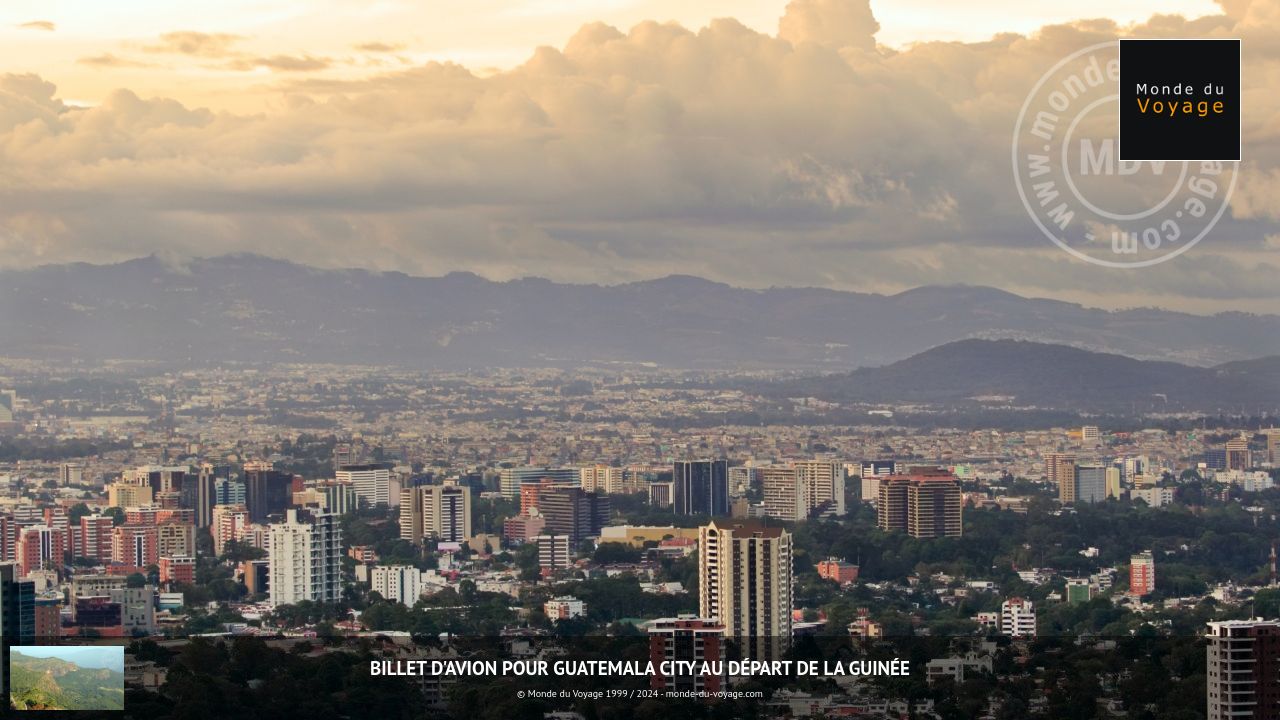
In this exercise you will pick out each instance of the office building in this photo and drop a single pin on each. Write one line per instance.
(925, 504)
(1242, 670)
(398, 583)
(510, 480)
(1090, 435)
(1237, 454)
(685, 639)
(1142, 574)
(206, 495)
(268, 492)
(801, 490)
(701, 487)
(573, 512)
(371, 482)
(70, 474)
(17, 612)
(745, 584)
(1091, 483)
(305, 559)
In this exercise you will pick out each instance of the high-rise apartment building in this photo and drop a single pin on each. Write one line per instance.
(305, 559)
(95, 537)
(601, 478)
(685, 639)
(1018, 618)
(135, 546)
(925, 504)
(554, 553)
(801, 490)
(1142, 574)
(17, 612)
(701, 487)
(398, 583)
(1060, 472)
(745, 577)
(40, 546)
(1242, 672)
(442, 512)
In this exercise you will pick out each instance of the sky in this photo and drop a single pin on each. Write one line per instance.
(109, 657)
(833, 143)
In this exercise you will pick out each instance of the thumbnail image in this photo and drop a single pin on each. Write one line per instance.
(66, 678)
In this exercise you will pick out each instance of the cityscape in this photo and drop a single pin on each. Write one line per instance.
(305, 506)
(634, 359)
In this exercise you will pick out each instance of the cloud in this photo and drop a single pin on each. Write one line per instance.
(283, 63)
(188, 42)
(43, 25)
(108, 60)
(832, 23)
(379, 47)
(809, 157)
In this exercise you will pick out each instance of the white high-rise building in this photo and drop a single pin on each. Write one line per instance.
(305, 559)
(1018, 618)
(601, 478)
(802, 490)
(745, 578)
(400, 583)
(372, 482)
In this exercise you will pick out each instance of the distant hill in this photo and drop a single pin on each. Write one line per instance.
(250, 308)
(56, 684)
(977, 372)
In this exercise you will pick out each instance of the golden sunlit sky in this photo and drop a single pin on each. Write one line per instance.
(836, 143)
(95, 46)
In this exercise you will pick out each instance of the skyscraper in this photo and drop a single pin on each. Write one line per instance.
(802, 490)
(1060, 472)
(510, 480)
(925, 504)
(1238, 454)
(267, 491)
(305, 559)
(745, 576)
(441, 511)
(573, 512)
(371, 481)
(1242, 672)
(1142, 574)
(685, 639)
(206, 491)
(701, 487)
(1091, 483)
(17, 613)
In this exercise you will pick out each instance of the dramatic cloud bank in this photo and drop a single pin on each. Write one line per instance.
(811, 157)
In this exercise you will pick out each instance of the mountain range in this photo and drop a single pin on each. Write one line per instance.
(252, 308)
(51, 683)
(988, 373)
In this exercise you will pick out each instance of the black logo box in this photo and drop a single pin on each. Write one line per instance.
(1192, 63)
